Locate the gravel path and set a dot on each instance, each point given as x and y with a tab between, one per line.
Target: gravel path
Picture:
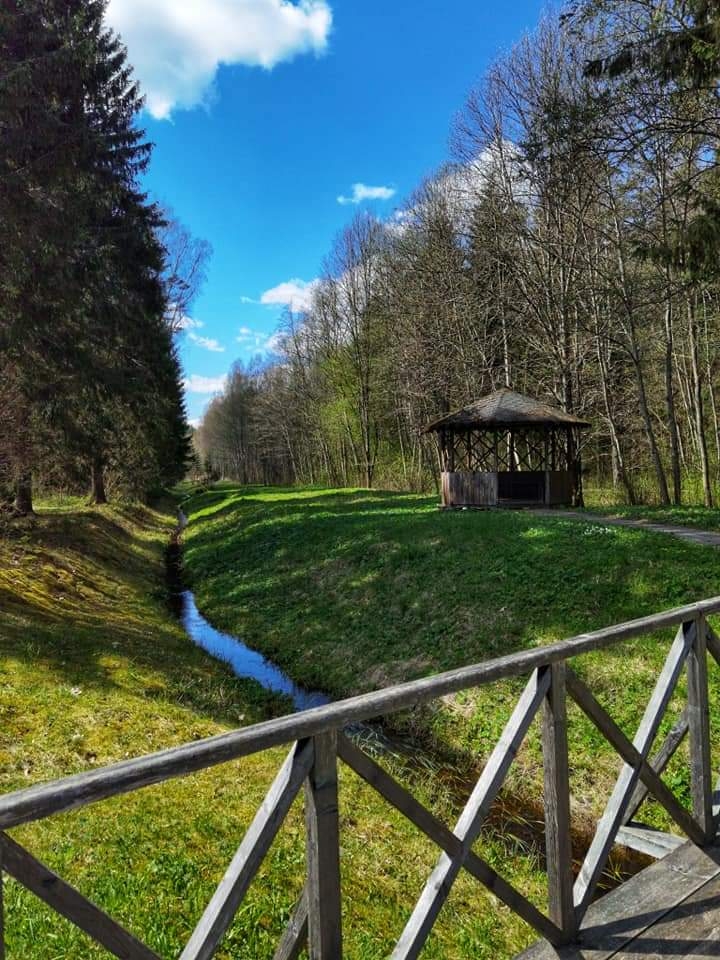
707	538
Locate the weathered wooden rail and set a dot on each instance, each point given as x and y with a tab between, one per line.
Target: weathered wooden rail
317	740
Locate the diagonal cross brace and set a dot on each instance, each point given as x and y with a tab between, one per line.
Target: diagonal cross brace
227	898
71	904
436	831
295	937
470	822
620	799
636	767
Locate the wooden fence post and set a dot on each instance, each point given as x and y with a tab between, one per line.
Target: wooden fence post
558	836
323	852
2	909
699	728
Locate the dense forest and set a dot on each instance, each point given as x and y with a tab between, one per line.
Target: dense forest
94	277
569	249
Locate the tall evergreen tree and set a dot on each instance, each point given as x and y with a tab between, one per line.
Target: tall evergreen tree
82	301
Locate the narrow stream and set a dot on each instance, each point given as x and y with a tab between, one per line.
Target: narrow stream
250	664
244	662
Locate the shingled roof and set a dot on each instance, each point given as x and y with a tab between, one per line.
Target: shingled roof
505	408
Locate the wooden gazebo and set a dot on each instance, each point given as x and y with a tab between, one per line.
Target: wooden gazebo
508	450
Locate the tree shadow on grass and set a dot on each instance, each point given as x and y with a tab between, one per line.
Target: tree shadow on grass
84	598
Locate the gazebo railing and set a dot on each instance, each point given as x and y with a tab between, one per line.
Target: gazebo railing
317	740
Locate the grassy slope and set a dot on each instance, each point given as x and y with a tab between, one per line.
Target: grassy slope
94	669
353	590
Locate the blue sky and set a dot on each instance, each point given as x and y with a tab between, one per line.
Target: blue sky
265	112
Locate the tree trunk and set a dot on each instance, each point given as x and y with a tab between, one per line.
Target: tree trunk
98	495
670	405
23	494
699	405
650	434
618	456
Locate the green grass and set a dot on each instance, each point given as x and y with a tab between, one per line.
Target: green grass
348	590
94	670
353	590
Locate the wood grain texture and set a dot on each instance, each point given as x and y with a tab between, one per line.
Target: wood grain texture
692	929
71	904
323	852
635	767
701	782
558	837
654	843
659	762
633	758
617	919
247	861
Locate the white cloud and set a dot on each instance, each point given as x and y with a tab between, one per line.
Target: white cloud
184	322
197	384
295	294
177	46
361	191
195	422
259	340
207	343
247	300
251	338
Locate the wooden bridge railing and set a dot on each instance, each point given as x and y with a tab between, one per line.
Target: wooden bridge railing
317	740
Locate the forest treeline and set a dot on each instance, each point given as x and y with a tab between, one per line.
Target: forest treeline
94	277
568	249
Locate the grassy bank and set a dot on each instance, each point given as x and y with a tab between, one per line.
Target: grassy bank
350	590
95	669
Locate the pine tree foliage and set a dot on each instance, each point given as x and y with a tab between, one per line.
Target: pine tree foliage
85	349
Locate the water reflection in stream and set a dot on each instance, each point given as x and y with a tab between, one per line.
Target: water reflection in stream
244	661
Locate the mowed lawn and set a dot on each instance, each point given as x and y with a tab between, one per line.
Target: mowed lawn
353	590
94	669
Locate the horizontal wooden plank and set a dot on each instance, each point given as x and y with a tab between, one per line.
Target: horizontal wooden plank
653	843
692	929
616	919
71	904
44	800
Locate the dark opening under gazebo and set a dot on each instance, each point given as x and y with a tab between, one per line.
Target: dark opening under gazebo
508	450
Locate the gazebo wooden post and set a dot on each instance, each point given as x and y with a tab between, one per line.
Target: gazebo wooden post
546	463
577	470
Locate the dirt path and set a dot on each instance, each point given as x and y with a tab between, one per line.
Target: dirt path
707	538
